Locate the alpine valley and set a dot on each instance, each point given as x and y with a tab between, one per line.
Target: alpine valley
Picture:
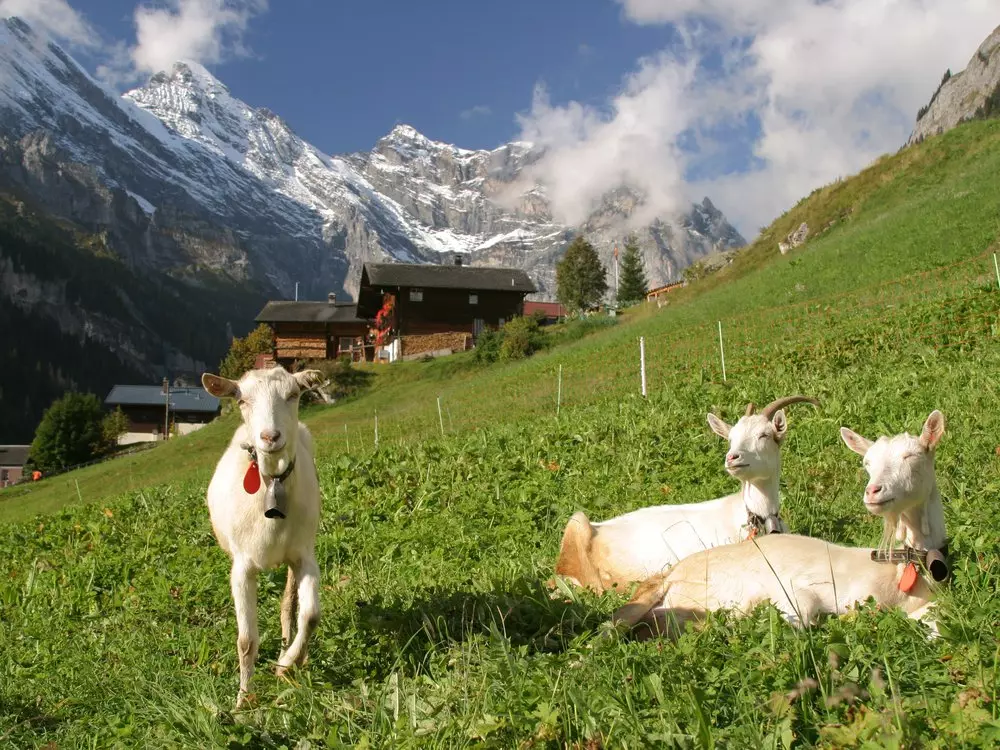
139	232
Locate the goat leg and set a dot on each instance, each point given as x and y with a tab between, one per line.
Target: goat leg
307	576
243	580
289	605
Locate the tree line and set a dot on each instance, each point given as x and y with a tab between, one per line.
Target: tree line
581	278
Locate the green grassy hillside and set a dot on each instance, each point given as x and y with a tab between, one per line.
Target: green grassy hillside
437	629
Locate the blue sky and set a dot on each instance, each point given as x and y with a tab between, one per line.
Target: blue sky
343	73
753	103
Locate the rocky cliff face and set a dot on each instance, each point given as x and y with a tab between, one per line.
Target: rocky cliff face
184	178
963	94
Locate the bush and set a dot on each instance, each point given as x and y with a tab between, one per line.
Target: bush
519	338
488	346
70	433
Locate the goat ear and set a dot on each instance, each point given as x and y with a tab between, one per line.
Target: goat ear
855	442
220	387
308	379
780	425
933	430
719	427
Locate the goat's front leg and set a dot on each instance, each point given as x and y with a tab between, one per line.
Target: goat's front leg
289	605
243	580
307	575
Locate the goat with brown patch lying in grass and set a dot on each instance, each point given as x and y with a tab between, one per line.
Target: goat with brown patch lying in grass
646	542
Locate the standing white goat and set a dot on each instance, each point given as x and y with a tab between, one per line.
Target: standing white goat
634	546
264	504
805	577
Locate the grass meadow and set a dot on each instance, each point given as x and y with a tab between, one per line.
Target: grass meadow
116	622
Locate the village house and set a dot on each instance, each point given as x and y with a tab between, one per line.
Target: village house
12	460
150	407
423	309
316	330
547	312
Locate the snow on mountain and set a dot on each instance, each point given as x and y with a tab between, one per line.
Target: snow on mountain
184	176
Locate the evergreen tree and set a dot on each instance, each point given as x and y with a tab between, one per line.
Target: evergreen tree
70	433
580	277
632	283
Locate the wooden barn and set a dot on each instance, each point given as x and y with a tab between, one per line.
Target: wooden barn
316	330
421	309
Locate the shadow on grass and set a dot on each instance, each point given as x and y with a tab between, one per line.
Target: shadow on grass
523	616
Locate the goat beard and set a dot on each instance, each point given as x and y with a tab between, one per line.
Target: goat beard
892	532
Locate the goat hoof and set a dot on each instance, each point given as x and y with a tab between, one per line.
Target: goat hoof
282	670
244	700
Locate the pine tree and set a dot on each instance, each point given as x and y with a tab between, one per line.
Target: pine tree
580	277
632	283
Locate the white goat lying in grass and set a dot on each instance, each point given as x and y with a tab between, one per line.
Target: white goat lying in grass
805	577
634	546
264	505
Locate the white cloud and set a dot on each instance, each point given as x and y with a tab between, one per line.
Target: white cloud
203	31
56	17
480	110
833	84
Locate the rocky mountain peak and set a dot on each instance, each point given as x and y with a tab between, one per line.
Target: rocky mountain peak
962	96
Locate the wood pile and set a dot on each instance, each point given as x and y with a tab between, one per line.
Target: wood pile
457	341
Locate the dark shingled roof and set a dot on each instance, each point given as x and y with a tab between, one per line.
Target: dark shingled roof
13	455
181	399
309	312
481	278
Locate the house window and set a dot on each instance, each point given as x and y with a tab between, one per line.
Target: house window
345	344
4	476
416	295
500	324
473	299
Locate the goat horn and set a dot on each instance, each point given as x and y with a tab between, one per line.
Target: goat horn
770	410
750	408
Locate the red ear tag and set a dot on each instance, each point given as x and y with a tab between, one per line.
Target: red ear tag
251	480
909	579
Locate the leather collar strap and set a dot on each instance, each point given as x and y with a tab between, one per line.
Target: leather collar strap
935	561
758	524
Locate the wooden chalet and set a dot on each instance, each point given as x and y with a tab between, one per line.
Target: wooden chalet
421	309
316	330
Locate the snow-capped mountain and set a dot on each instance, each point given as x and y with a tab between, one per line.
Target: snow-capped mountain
184	178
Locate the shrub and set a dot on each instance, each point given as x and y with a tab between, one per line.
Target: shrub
70	433
488	346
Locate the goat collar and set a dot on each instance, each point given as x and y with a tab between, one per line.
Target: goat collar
934	561
276	496
762	524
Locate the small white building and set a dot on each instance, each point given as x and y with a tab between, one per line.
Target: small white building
150	407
